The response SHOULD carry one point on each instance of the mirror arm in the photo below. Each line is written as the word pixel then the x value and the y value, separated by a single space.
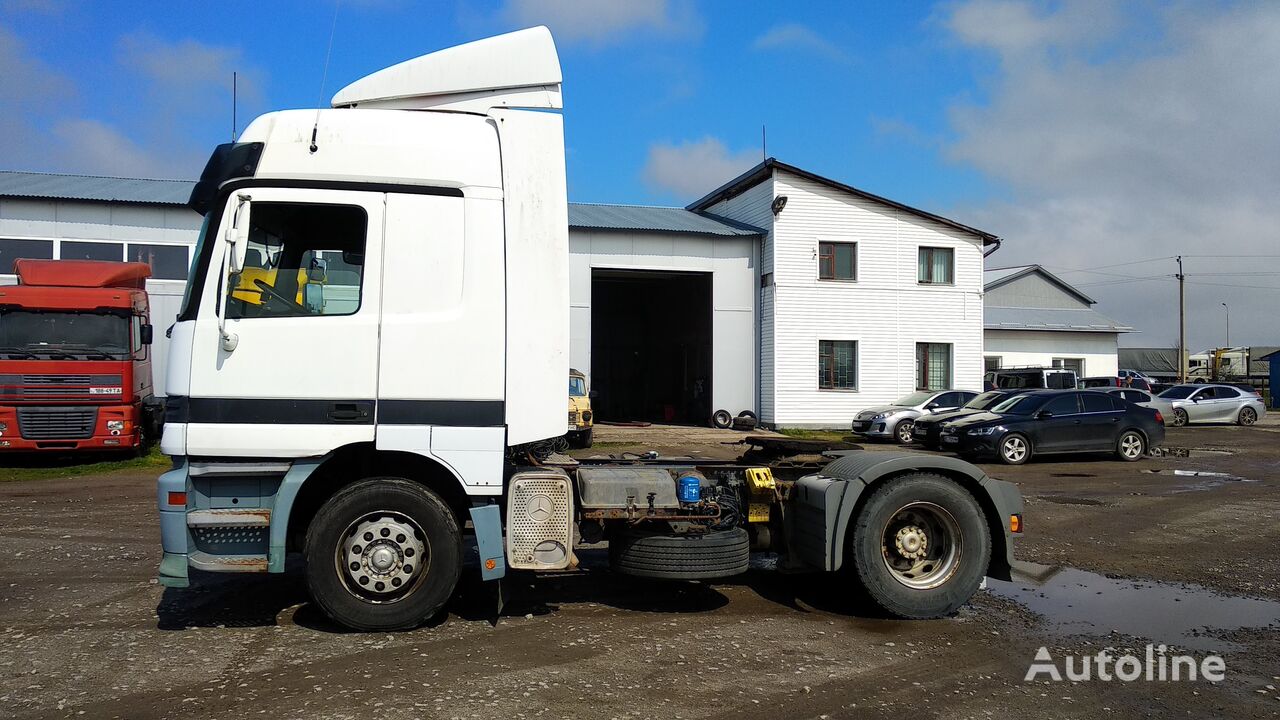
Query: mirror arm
pixel 229 341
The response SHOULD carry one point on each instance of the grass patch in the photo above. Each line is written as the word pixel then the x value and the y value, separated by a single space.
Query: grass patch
pixel 806 434
pixel 48 467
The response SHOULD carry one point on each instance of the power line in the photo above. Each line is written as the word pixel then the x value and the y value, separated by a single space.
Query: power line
pixel 1249 287
pixel 1232 256
pixel 1115 265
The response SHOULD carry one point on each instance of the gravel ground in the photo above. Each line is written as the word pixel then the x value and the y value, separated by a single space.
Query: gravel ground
pixel 86 632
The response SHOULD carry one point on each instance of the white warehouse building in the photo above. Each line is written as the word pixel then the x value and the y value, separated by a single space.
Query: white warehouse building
pixel 784 293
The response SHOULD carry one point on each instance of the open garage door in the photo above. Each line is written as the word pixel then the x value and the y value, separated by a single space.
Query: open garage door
pixel 651 345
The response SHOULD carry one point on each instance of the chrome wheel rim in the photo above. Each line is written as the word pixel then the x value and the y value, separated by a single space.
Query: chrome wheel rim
pixel 1131 445
pixel 383 557
pixel 1248 416
pixel 1014 449
pixel 920 545
pixel 906 430
pixel 1179 417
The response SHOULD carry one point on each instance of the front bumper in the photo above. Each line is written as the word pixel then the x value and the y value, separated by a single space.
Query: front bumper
pixel 882 428
pixel 15 443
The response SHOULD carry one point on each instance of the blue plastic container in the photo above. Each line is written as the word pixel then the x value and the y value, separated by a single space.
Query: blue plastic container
pixel 690 489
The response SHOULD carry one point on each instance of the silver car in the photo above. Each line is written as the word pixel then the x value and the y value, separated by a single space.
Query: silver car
pixel 1212 403
pixel 1145 399
pixel 897 419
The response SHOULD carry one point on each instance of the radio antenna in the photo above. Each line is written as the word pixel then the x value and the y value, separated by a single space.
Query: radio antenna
pixel 233 106
pixel 324 76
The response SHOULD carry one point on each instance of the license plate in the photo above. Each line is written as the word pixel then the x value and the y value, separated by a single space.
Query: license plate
pixel 860 426
pixel 950 439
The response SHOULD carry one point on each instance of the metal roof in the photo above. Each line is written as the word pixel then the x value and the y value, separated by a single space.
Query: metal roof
pixel 587 216
pixel 995 277
pixel 752 177
pixel 591 216
pixel 1050 319
pixel 94 188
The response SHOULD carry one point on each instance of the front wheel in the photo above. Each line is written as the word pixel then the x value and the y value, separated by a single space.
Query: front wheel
pixel 905 432
pixel 1015 449
pixel 584 438
pixel 1131 446
pixel 383 554
pixel 1248 416
pixel 1179 417
pixel 921 546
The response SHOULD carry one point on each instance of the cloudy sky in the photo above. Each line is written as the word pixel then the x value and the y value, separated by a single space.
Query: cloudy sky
pixel 1100 139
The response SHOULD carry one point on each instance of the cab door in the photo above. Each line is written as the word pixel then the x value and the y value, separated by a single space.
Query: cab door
pixel 1201 408
pixel 1058 427
pixel 285 351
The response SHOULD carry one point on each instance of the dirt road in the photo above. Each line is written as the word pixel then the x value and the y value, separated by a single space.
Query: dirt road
pixel 85 632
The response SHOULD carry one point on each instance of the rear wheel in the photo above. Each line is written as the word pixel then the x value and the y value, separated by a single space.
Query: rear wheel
pixel 1179 417
pixel 383 554
pixel 1014 449
pixel 721 419
pixel 920 546
pixel 1131 446
pixel 1248 416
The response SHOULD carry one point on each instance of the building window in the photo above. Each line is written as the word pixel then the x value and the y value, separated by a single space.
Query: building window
pixel 933 366
pixel 168 262
pixel 76 250
pixel 13 249
pixel 837 261
pixel 937 266
pixel 991 362
pixel 837 365
pixel 1074 364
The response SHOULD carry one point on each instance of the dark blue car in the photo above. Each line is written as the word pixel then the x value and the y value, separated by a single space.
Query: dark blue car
pixel 1043 422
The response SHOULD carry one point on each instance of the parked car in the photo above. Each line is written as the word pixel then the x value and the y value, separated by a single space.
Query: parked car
pixel 1213 403
pixel 1145 399
pixel 1030 379
pixel 1056 421
pixel 897 420
pixel 926 428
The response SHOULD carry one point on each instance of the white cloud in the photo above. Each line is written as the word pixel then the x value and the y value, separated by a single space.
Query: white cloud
pixel 794 36
pixel 693 168
pixel 1123 138
pixel 104 150
pixel 602 21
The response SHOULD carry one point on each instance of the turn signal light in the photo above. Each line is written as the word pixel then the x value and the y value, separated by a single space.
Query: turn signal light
pixel 490 564
pixel 1159 417
pixel 1015 523
pixel 177 499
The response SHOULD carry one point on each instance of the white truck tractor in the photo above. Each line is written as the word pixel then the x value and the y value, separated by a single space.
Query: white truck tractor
pixel 373 350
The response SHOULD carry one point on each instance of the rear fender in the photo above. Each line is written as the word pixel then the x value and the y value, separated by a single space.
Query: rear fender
pixel 827 502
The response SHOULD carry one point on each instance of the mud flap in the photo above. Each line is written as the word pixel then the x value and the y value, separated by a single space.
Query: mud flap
pixel 487 520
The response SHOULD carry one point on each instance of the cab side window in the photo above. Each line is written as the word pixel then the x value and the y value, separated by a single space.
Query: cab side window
pixel 1225 392
pixel 1063 405
pixel 1203 394
pixel 302 260
pixel 1097 403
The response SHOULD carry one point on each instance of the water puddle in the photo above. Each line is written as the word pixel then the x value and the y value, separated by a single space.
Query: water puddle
pixel 1191 452
pixel 1064 500
pixel 1200 479
pixel 1072 474
pixel 1085 603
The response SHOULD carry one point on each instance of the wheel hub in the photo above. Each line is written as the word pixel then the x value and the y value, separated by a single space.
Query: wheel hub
pixel 381 554
pixel 912 542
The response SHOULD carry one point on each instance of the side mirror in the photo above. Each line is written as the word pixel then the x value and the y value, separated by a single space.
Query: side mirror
pixel 316 270
pixel 146 334
pixel 1044 415
pixel 932 406
pixel 237 235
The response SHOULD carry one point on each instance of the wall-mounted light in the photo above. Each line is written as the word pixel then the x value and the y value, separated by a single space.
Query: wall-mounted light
pixel 778 203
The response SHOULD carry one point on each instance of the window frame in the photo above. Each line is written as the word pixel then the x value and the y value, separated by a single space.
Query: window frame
pixel 922 370
pixel 857 365
pixel 1059 363
pixel 226 292
pixel 832 258
pixel 930 250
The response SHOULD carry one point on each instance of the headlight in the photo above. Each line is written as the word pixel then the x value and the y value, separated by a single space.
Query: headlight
pixel 985 431
pixel 116 425
pixel 883 415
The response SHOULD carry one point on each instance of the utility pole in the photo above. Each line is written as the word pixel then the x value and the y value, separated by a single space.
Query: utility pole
pixel 1182 324
pixel 1227 310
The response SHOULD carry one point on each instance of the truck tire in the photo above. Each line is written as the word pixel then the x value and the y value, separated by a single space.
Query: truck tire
pixel 920 546
pixel 680 557
pixel 383 553
pixel 583 438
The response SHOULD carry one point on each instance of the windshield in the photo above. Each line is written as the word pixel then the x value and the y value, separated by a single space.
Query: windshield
pixel 1179 392
pixel 64 335
pixel 577 387
pixel 985 400
pixel 913 399
pixel 195 261
pixel 1019 405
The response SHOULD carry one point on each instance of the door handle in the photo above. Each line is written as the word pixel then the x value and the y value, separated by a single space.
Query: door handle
pixel 352 412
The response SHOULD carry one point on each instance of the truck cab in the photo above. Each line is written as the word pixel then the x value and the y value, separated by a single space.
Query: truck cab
pixel 581 418
pixel 75 364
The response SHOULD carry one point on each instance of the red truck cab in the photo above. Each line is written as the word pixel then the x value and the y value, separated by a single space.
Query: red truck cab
pixel 75 361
